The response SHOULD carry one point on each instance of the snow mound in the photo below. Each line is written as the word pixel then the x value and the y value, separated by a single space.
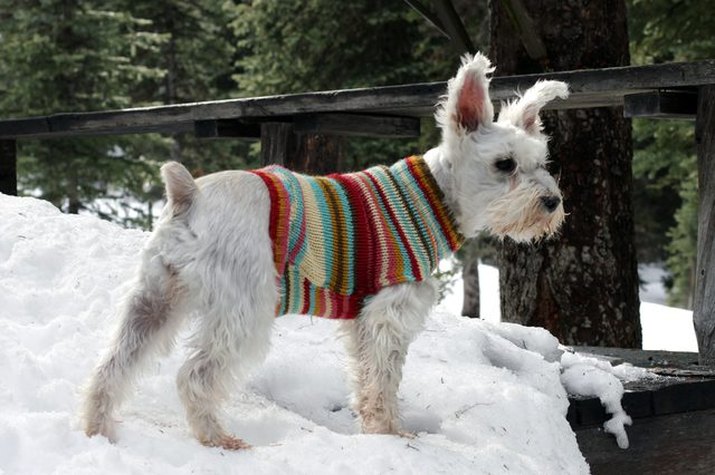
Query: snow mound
pixel 483 397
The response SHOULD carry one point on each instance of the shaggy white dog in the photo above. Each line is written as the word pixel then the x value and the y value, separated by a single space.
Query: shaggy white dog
pixel 211 255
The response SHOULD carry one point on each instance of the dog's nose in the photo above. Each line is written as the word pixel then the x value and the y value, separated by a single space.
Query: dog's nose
pixel 550 202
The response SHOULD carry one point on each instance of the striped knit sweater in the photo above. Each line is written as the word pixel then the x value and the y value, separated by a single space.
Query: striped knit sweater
pixel 341 238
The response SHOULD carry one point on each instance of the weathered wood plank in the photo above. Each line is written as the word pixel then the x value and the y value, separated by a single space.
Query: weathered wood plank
pixel 428 15
pixel 668 445
pixel 655 398
pixel 662 105
pixel 8 167
pixel 704 304
pixel 643 358
pixel 452 23
pixel 590 88
pixel 685 386
pixel 358 125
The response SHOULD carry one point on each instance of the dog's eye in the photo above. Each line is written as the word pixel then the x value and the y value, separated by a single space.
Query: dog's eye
pixel 506 165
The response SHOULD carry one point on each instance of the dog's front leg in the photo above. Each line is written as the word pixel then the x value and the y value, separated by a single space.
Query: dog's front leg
pixel 377 342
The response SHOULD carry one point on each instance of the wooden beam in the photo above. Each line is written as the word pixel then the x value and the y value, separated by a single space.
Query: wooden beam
pixel 524 26
pixel 225 128
pixel 668 395
pixel 589 88
pixel 358 125
pixel 428 15
pixel 704 304
pixel 8 167
pixel 668 445
pixel 454 26
pixel 662 105
pixel 672 416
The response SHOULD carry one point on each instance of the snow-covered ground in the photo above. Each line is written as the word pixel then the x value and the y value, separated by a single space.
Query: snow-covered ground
pixel 484 397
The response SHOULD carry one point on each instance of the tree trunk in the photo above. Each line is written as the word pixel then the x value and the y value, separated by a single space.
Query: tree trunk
pixel 470 277
pixel 581 285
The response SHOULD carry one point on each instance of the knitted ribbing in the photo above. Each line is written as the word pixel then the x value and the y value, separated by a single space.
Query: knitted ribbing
pixel 341 238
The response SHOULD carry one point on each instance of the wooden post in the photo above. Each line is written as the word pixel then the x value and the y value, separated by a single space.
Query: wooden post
pixel 278 143
pixel 8 167
pixel 704 306
pixel 316 154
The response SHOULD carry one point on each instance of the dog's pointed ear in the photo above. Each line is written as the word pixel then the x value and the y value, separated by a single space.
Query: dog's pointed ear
pixel 468 105
pixel 524 113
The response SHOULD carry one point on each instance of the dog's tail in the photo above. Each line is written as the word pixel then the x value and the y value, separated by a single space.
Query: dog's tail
pixel 180 187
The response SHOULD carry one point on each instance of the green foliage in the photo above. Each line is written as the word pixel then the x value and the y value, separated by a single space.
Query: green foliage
pixel 664 158
pixel 82 55
pixel 70 55
pixel 308 45
pixel 197 58
pixel 670 30
pixel 682 247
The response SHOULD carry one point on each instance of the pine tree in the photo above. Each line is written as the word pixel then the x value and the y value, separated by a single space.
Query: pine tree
pixel 70 55
pixel 197 55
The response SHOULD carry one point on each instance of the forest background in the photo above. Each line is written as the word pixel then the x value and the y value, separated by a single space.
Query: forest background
pixel 83 55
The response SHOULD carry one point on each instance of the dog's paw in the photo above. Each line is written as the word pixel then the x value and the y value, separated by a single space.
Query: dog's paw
pixel 104 427
pixel 405 434
pixel 228 442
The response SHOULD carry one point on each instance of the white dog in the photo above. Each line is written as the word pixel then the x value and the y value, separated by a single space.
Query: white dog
pixel 238 248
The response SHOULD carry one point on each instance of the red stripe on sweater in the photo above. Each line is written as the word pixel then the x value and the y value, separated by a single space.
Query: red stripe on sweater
pixel 436 201
pixel 279 218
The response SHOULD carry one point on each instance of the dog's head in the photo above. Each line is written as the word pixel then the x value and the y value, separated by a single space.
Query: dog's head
pixel 498 169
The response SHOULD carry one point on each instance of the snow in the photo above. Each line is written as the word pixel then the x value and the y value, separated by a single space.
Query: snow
pixel 664 328
pixel 585 376
pixel 482 396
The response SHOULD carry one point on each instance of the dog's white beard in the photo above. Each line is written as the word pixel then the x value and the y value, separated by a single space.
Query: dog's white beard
pixel 521 215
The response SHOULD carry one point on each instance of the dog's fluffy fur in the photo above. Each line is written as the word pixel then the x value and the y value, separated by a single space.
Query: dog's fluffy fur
pixel 210 255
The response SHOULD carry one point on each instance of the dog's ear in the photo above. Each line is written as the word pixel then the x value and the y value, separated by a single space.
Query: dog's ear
pixel 524 113
pixel 468 105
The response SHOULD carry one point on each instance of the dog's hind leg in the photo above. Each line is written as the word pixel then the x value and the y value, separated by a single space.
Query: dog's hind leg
pixel 236 303
pixel 377 341
pixel 233 335
pixel 150 318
